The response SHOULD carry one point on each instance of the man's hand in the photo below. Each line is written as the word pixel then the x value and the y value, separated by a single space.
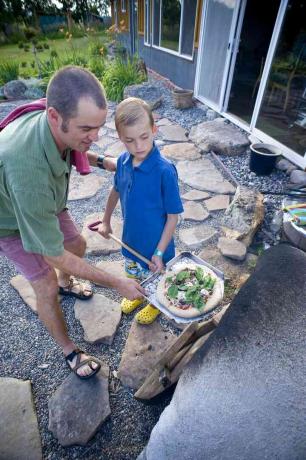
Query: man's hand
pixel 105 229
pixel 156 264
pixel 129 288
pixel 110 163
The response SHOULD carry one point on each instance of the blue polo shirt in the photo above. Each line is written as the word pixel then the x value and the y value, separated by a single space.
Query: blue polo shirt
pixel 148 193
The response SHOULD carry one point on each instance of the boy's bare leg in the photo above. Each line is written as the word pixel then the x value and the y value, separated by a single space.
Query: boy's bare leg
pixel 50 313
pixel 76 246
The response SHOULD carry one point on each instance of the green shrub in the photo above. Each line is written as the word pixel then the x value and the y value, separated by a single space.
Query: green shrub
pixel 30 33
pixel 97 66
pixel 97 48
pixel 46 46
pixel 20 45
pixel 118 75
pixel 23 64
pixel 9 70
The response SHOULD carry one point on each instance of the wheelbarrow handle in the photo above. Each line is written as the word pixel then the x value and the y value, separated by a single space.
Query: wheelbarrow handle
pixel 94 228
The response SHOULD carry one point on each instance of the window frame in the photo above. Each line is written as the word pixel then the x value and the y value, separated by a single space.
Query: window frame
pixel 150 35
pixel 123 6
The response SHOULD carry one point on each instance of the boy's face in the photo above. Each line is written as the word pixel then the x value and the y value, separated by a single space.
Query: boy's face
pixel 138 138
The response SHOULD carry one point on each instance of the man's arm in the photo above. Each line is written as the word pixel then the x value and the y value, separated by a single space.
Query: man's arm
pixel 70 263
pixel 109 163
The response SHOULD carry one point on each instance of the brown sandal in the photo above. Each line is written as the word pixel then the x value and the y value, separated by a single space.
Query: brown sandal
pixel 77 353
pixel 67 290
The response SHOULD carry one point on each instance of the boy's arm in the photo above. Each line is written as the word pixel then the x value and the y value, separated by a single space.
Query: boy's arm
pixel 166 236
pixel 105 228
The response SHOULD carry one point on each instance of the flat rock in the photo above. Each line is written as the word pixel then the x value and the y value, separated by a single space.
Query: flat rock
pixel 99 318
pixel 232 248
pixel 115 149
pixel 146 91
pixel 143 348
pixel 217 202
pixel 110 125
pixel 194 211
pixel 220 137
pixel 298 177
pixel 104 141
pixel 81 187
pixel 79 407
pixel 196 236
pixel 244 215
pixel 233 269
pixel 163 122
pixel 283 164
pixel 203 175
pixel 173 133
pixel 195 195
pixel 115 267
pixel 96 244
pixel 20 437
pixel 181 151
pixel 25 290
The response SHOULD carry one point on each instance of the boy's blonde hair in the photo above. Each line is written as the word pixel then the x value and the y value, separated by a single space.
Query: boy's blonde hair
pixel 131 110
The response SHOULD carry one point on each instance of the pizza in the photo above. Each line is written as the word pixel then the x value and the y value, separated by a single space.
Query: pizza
pixel 189 290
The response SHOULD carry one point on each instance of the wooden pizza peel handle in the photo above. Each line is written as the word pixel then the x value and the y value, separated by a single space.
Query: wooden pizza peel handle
pixel 144 259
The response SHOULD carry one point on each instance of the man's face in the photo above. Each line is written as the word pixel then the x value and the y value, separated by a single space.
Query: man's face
pixel 138 138
pixel 80 132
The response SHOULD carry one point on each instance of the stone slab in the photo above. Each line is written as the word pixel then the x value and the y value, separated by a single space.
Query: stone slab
pixel 25 290
pixel 218 202
pixel 19 434
pixel 163 122
pixel 81 187
pixel 203 175
pixel 232 248
pixel 195 212
pixel 99 317
pixel 104 141
pixel 110 125
pixel 196 236
pixel 96 244
pixel 115 267
pixel 181 151
pixel 173 133
pixel 143 348
pixel 195 195
pixel 79 407
pixel 115 149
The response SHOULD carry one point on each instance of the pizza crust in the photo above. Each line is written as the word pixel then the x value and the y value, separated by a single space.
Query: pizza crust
pixel 213 300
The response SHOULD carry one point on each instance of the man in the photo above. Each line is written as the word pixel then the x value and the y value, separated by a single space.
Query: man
pixel 36 231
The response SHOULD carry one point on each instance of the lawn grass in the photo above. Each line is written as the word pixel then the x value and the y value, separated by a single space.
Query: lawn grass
pixel 61 46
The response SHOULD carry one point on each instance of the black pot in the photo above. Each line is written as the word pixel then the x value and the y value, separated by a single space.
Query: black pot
pixel 263 158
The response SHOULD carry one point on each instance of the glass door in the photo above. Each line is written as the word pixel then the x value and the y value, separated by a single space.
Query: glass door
pixel 217 43
pixel 258 22
pixel 282 114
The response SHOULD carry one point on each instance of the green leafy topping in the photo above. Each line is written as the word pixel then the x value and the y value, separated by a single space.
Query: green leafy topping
pixel 172 291
pixel 182 287
pixel 181 276
pixel 198 302
pixel 169 279
pixel 199 274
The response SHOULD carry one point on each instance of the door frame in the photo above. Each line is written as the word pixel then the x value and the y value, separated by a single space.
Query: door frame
pixel 221 107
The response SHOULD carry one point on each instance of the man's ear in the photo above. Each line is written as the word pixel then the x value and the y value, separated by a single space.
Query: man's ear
pixel 54 117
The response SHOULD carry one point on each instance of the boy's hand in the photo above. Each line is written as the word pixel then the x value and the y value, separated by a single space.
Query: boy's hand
pixel 156 264
pixel 105 229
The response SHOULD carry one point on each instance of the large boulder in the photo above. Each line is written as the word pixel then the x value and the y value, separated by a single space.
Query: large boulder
pixel 243 397
pixel 146 91
pixel 14 89
pixel 220 137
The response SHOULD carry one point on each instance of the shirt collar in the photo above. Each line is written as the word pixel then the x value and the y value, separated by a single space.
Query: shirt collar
pixel 57 164
pixel 148 164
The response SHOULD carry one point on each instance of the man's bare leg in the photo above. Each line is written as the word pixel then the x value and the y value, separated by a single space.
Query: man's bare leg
pixel 50 313
pixel 76 246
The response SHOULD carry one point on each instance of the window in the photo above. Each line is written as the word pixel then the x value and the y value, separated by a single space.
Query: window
pixel 123 6
pixel 147 21
pixel 173 25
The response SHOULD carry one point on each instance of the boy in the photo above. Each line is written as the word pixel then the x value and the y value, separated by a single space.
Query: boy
pixel 147 185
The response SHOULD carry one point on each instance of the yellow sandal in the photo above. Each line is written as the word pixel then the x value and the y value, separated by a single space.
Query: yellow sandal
pixel 147 315
pixel 127 306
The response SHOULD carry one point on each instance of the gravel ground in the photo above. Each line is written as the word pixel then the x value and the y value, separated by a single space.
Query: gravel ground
pixel 25 345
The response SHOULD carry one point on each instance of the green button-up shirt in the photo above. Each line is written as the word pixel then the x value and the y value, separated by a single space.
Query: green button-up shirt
pixel 33 184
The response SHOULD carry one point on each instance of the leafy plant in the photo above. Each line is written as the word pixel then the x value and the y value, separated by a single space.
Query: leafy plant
pixel 97 66
pixel 9 70
pixel 120 74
